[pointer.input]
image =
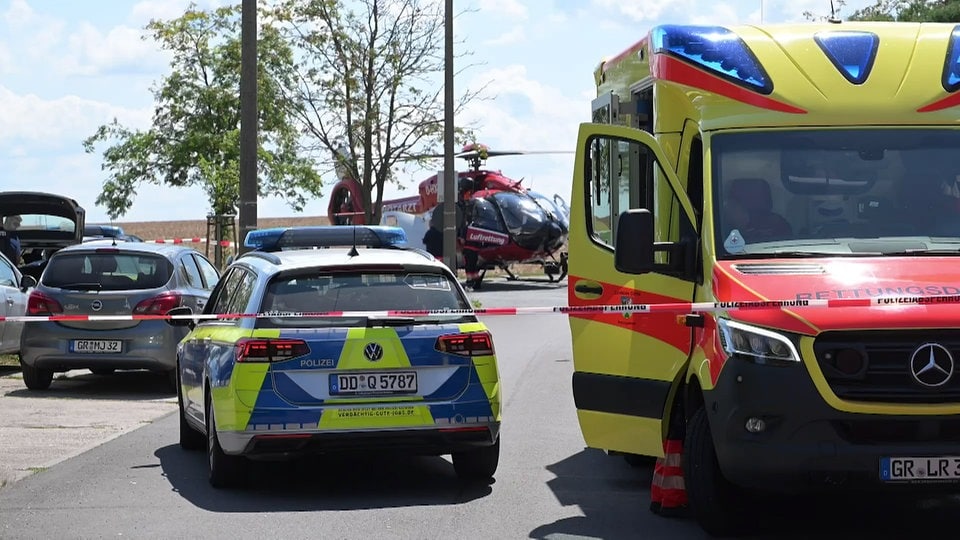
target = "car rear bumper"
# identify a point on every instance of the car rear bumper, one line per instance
(143, 347)
(418, 441)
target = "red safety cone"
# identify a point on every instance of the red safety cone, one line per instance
(668, 495)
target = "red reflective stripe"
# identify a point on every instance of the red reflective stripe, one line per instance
(672, 446)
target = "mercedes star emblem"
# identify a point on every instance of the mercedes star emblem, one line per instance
(931, 365)
(96, 305)
(374, 352)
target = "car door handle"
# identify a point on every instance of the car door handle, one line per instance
(9, 301)
(201, 303)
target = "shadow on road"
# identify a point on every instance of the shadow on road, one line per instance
(614, 498)
(121, 385)
(321, 483)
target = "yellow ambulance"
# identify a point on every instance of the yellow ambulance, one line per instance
(792, 165)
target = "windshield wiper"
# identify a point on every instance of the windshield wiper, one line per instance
(920, 251)
(786, 255)
(81, 286)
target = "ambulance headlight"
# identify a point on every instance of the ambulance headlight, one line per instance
(756, 344)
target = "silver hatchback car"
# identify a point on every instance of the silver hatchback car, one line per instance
(109, 278)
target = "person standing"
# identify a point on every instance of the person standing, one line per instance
(10, 239)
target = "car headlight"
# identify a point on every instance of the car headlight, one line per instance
(756, 344)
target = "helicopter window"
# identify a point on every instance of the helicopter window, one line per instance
(484, 216)
(520, 212)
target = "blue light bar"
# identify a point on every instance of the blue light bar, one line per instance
(715, 49)
(325, 236)
(852, 53)
(951, 69)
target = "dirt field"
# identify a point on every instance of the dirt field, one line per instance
(167, 230)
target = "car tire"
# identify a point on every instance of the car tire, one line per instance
(190, 439)
(478, 464)
(226, 471)
(102, 371)
(719, 506)
(36, 378)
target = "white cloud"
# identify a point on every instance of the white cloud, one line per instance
(121, 49)
(30, 119)
(147, 10)
(511, 37)
(506, 9)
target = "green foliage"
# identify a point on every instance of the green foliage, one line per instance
(194, 138)
(371, 82)
(910, 11)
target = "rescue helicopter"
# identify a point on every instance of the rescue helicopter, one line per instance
(501, 220)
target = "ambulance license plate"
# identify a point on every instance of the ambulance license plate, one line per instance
(96, 346)
(920, 469)
(377, 382)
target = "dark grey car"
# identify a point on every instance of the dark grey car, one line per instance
(112, 278)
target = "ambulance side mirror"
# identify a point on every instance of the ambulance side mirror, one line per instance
(636, 252)
(633, 253)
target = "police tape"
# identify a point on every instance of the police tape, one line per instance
(676, 308)
(194, 240)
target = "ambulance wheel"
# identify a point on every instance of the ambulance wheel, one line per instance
(479, 464)
(226, 471)
(190, 439)
(718, 506)
(36, 378)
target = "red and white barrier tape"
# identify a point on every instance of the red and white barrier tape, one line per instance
(194, 240)
(677, 307)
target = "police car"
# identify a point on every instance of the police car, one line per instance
(337, 338)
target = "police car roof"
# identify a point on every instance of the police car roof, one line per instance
(341, 257)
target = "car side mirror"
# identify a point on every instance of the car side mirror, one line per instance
(180, 316)
(27, 283)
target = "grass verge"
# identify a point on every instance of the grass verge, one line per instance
(9, 360)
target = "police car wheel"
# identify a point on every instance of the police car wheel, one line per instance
(718, 506)
(190, 439)
(478, 464)
(225, 470)
(36, 378)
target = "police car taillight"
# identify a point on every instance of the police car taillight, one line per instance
(472, 344)
(41, 304)
(270, 350)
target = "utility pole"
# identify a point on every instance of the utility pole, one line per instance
(449, 175)
(248, 121)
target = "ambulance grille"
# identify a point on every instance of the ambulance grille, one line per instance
(780, 269)
(886, 374)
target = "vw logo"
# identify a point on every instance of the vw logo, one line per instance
(96, 305)
(931, 365)
(374, 352)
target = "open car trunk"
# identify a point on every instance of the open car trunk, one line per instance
(49, 221)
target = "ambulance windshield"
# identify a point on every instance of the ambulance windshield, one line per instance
(837, 192)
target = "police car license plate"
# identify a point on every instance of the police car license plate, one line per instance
(96, 346)
(377, 382)
(920, 469)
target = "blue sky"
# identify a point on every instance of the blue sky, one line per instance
(68, 67)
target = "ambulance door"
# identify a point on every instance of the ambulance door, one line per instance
(625, 363)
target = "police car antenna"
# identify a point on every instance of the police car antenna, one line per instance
(353, 250)
(833, 14)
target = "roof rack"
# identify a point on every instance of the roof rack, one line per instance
(326, 236)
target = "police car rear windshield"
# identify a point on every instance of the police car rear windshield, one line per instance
(288, 296)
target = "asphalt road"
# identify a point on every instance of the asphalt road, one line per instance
(140, 484)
